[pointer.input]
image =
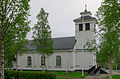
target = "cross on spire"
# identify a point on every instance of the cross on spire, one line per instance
(85, 7)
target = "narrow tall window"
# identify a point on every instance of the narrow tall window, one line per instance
(80, 27)
(29, 61)
(87, 26)
(58, 60)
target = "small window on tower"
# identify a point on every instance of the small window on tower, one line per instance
(80, 27)
(87, 26)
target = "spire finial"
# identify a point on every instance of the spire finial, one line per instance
(85, 7)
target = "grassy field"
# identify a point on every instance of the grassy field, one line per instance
(114, 77)
(63, 78)
(75, 74)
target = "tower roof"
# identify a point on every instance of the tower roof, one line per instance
(85, 16)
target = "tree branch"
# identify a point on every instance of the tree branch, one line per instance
(10, 19)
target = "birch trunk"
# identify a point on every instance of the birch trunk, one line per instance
(110, 69)
(2, 59)
(43, 63)
(16, 61)
(2, 49)
(43, 68)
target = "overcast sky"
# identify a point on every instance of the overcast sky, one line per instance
(61, 14)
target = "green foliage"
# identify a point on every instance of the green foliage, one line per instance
(107, 34)
(109, 31)
(10, 74)
(42, 34)
(15, 14)
(14, 26)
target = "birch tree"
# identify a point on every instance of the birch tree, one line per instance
(42, 36)
(108, 33)
(13, 13)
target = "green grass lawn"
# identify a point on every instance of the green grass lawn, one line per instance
(74, 74)
(114, 77)
(63, 78)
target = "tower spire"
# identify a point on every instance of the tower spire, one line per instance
(85, 7)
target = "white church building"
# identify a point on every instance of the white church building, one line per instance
(70, 53)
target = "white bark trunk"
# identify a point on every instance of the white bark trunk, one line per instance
(43, 68)
(16, 60)
(2, 59)
(2, 47)
(43, 62)
(110, 69)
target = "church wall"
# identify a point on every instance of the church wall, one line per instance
(84, 60)
(66, 61)
(22, 60)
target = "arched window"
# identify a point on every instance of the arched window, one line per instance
(29, 61)
(58, 60)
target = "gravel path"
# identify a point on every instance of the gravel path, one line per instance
(101, 76)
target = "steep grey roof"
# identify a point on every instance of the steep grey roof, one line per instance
(62, 43)
(88, 12)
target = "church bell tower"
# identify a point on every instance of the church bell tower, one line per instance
(84, 27)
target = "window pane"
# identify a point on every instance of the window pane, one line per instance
(80, 27)
(87, 26)
(29, 63)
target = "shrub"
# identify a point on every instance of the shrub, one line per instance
(10, 74)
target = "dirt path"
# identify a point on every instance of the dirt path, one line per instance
(115, 73)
